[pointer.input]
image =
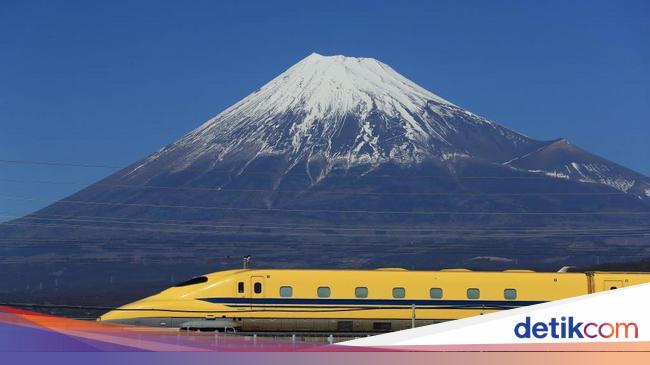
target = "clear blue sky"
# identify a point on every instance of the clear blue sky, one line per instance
(109, 81)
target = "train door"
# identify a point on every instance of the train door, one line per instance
(258, 290)
(612, 284)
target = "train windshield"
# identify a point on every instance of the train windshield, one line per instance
(192, 281)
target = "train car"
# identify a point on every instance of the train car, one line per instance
(351, 301)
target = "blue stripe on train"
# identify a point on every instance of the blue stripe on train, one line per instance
(405, 302)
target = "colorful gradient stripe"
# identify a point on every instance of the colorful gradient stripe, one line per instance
(25, 331)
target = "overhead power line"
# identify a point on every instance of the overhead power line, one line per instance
(307, 227)
(154, 248)
(336, 211)
(337, 173)
(316, 191)
(54, 163)
(315, 225)
(320, 234)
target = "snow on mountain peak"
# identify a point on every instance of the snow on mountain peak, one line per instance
(336, 85)
(342, 110)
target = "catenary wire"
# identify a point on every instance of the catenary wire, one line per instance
(337, 211)
(128, 221)
(333, 192)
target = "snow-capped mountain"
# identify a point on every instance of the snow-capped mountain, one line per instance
(343, 162)
(336, 112)
(342, 112)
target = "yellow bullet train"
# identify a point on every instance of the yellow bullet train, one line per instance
(349, 301)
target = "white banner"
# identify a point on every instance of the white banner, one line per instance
(613, 316)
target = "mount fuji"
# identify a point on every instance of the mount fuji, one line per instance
(343, 162)
(338, 113)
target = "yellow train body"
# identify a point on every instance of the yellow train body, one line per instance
(353, 300)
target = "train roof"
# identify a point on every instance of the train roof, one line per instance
(450, 270)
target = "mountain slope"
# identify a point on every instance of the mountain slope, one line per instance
(564, 160)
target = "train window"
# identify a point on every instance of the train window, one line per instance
(323, 291)
(240, 287)
(510, 294)
(473, 293)
(435, 293)
(399, 293)
(192, 281)
(361, 292)
(257, 288)
(286, 291)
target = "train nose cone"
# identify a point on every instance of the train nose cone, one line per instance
(110, 317)
(130, 314)
(153, 311)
